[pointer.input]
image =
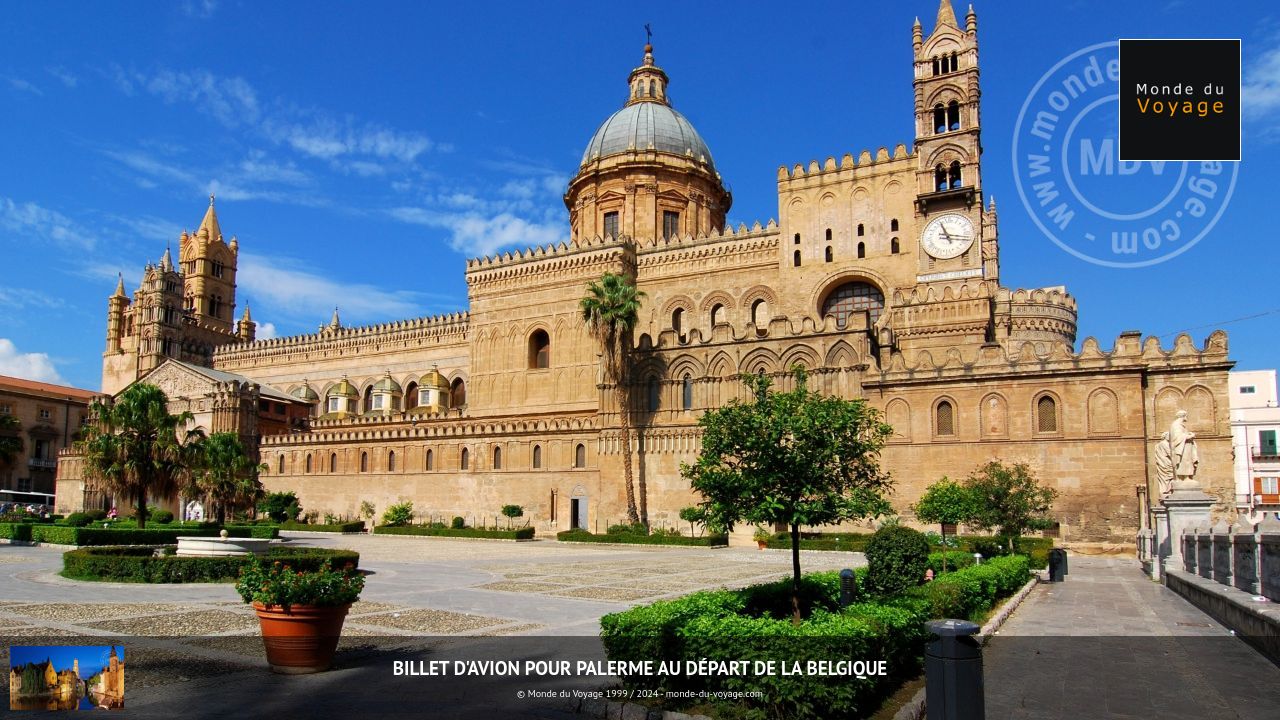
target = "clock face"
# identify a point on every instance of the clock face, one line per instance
(947, 236)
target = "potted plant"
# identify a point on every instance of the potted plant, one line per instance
(300, 612)
(762, 537)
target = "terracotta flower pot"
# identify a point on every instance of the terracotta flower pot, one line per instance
(763, 544)
(303, 639)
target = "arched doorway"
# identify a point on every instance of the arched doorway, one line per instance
(578, 509)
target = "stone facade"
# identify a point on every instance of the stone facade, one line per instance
(881, 276)
(49, 419)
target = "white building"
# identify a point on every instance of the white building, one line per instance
(1255, 425)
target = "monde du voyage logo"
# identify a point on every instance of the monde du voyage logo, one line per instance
(1124, 152)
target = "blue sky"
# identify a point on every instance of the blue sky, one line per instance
(361, 156)
(92, 658)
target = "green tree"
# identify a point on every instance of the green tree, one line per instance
(694, 516)
(796, 458)
(227, 474)
(10, 440)
(946, 502)
(1009, 499)
(280, 506)
(137, 448)
(611, 310)
(511, 512)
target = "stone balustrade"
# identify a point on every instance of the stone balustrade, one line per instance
(1243, 555)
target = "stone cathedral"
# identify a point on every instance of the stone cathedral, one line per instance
(881, 276)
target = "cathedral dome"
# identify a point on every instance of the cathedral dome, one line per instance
(648, 126)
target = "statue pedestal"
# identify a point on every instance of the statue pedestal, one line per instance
(1186, 507)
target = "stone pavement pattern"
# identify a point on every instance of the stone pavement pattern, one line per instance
(1109, 643)
(424, 596)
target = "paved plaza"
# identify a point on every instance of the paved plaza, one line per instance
(1109, 643)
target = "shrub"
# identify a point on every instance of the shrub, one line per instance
(968, 593)
(438, 530)
(63, 535)
(353, 526)
(897, 557)
(398, 514)
(16, 531)
(142, 564)
(846, 542)
(629, 528)
(992, 547)
(367, 510)
(77, 520)
(635, 539)
(956, 559)
(280, 584)
(164, 517)
(96, 515)
(458, 523)
(280, 506)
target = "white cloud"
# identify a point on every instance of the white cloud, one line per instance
(475, 234)
(149, 227)
(63, 75)
(288, 287)
(24, 85)
(13, 299)
(231, 100)
(202, 9)
(1261, 86)
(27, 221)
(266, 331)
(329, 139)
(250, 179)
(30, 366)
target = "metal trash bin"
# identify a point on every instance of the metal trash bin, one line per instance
(953, 671)
(1057, 565)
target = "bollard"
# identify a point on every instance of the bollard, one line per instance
(1057, 565)
(848, 587)
(953, 671)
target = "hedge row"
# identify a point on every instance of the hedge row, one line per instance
(1035, 548)
(970, 592)
(82, 536)
(754, 624)
(524, 533)
(638, 539)
(141, 564)
(354, 526)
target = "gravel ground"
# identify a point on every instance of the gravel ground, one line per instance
(78, 613)
(432, 622)
(521, 587)
(364, 607)
(200, 622)
(607, 593)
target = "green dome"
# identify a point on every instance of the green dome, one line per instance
(344, 389)
(306, 393)
(386, 384)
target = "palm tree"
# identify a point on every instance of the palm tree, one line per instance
(10, 440)
(133, 446)
(611, 310)
(227, 474)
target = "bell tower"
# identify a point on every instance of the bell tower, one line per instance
(209, 273)
(949, 148)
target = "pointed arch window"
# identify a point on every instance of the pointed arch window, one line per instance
(497, 458)
(940, 178)
(894, 247)
(861, 230)
(429, 461)
(939, 119)
(458, 393)
(368, 399)
(893, 225)
(686, 392)
(580, 456)
(953, 115)
(936, 66)
(333, 462)
(862, 250)
(795, 259)
(280, 465)
(828, 234)
(677, 320)
(464, 462)
(537, 457)
(1046, 414)
(308, 462)
(853, 297)
(829, 255)
(760, 313)
(953, 175)
(391, 461)
(364, 462)
(944, 419)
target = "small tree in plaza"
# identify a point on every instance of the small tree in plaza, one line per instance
(227, 474)
(796, 458)
(136, 448)
(946, 502)
(511, 512)
(694, 516)
(1009, 499)
(280, 506)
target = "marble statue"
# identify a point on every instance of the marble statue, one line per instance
(1182, 448)
(1164, 466)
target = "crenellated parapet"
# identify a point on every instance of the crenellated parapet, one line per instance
(448, 328)
(993, 360)
(847, 169)
(545, 263)
(728, 248)
(1040, 315)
